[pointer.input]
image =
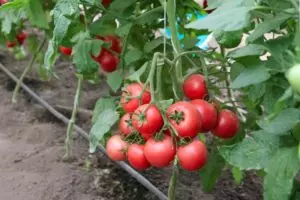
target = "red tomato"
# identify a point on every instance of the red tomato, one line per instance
(136, 157)
(65, 50)
(185, 118)
(192, 156)
(3, 1)
(129, 99)
(114, 41)
(108, 61)
(227, 125)
(208, 114)
(116, 148)
(160, 153)
(106, 3)
(125, 124)
(194, 87)
(147, 120)
(21, 37)
(11, 44)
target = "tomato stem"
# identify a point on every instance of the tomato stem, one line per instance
(69, 134)
(173, 181)
(177, 65)
(26, 70)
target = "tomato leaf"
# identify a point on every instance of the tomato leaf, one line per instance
(120, 5)
(82, 58)
(150, 46)
(114, 80)
(249, 50)
(232, 15)
(50, 57)
(267, 26)
(281, 172)
(135, 77)
(133, 56)
(253, 152)
(250, 76)
(211, 171)
(101, 105)
(284, 122)
(229, 39)
(103, 124)
(36, 14)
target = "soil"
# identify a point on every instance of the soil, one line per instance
(32, 144)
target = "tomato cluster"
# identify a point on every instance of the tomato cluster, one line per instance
(20, 38)
(152, 137)
(108, 58)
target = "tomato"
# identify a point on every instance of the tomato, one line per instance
(293, 77)
(116, 148)
(125, 124)
(227, 124)
(194, 87)
(21, 37)
(185, 118)
(136, 157)
(114, 41)
(193, 156)
(11, 44)
(130, 100)
(160, 153)
(3, 2)
(106, 3)
(208, 114)
(147, 120)
(108, 61)
(65, 50)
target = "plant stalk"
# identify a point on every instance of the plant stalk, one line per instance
(26, 70)
(69, 134)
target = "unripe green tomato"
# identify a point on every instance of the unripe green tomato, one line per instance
(293, 76)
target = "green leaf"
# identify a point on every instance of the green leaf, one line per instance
(150, 16)
(237, 174)
(103, 124)
(101, 105)
(82, 59)
(114, 80)
(124, 29)
(50, 56)
(249, 50)
(210, 173)
(36, 14)
(106, 25)
(133, 56)
(120, 5)
(150, 46)
(284, 122)
(135, 77)
(281, 172)
(164, 104)
(250, 76)
(253, 152)
(228, 39)
(232, 15)
(267, 26)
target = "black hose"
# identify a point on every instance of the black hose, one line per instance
(141, 179)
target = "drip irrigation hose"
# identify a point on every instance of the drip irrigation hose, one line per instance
(141, 179)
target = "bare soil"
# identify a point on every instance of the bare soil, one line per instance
(32, 144)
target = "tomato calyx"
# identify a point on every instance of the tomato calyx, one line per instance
(135, 138)
(185, 141)
(177, 116)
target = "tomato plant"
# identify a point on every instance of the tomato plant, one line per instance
(250, 71)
